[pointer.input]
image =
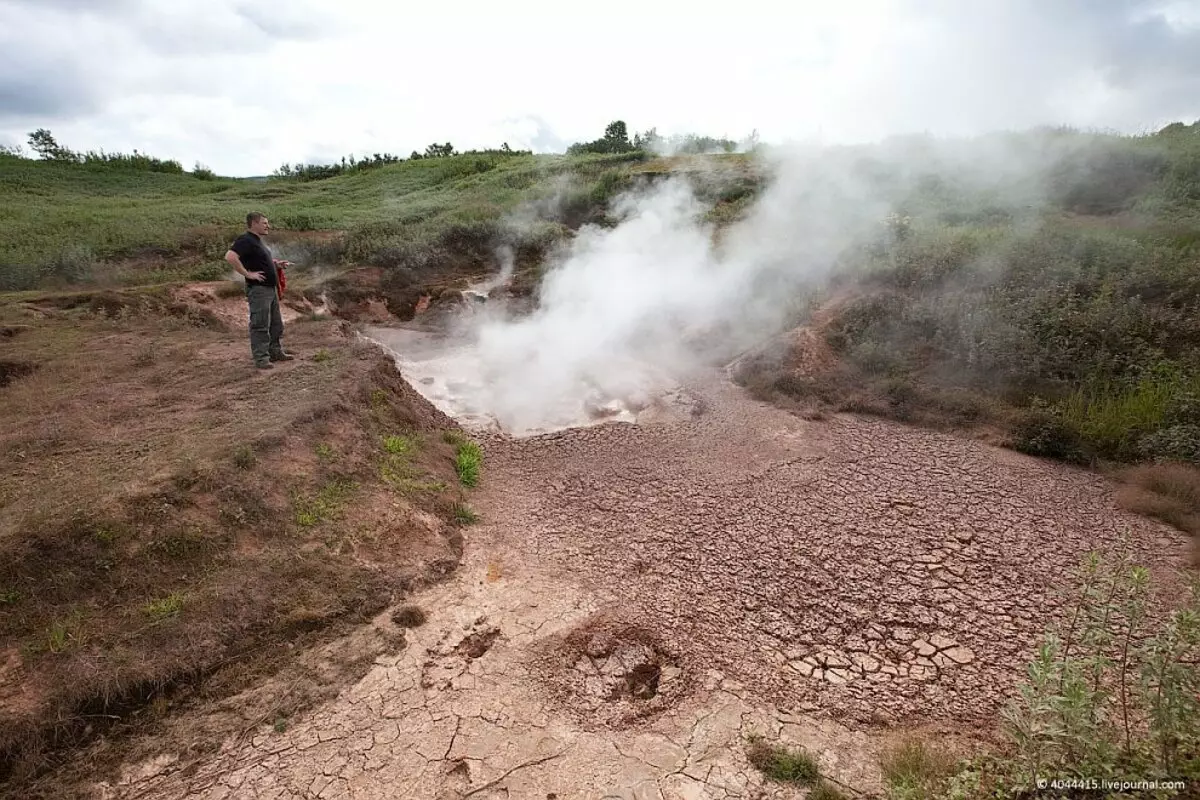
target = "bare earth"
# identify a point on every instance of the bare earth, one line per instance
(639, 599)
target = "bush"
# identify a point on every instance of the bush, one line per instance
(1110, 694)
(1042, 431)
(210, 272)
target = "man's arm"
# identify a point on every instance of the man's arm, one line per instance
(236, 262)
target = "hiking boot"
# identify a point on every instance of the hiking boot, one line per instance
(264, 365)
(282, 356)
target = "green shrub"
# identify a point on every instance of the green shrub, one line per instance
(210, 272)
(1042, 431)
(1112, 692)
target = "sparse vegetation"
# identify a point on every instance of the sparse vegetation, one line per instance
(325, 452)
(165, 608)
(915, 769)
(326, 504)
(464, 514)
(782, 764)
(1168, 492)
(322, 356)
(244, 458)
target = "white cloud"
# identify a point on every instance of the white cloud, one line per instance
(244, 86)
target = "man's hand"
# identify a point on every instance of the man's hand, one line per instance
(255, 276)
(281, 263)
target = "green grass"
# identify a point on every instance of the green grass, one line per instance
(322, 356)
(325, 452)
(468, 460)
(66, 222)
(327, 503)
(165, 608)
(399, 445)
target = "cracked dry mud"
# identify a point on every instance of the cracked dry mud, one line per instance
(641, 598)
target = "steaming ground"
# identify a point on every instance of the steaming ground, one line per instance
(640, 598)
(455, 375)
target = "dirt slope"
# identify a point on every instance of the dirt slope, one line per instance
(639, 599)
(175, 524)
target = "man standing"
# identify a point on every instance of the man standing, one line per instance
(252, 260)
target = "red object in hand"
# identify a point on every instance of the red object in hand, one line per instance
(282, 279)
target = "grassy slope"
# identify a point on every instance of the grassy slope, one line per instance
(62, 221)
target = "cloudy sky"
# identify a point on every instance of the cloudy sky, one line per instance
(243, 86)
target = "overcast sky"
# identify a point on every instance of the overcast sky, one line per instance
(244, 86)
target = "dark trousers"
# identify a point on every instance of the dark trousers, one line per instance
(266, 323)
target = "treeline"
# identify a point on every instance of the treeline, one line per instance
(349, 164)
(616, 140)
(43, 143)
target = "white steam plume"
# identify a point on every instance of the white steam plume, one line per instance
(632, 309)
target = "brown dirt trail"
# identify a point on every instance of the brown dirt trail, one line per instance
(640, 598)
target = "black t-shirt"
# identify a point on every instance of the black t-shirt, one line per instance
(255, 258)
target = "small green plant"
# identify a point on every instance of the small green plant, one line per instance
(467, 462)
(455, 438)
(244, 458)
(781, 764)
(322, 356)
(9, 597)
(280, 725)
(312, 510)
(464, 514)
(325, 453)
(379, 399)
(165, 608)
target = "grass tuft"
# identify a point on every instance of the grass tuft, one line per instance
(464, 514)
(913, 769)
(781, 764)
(467, 462)
(399, 445)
